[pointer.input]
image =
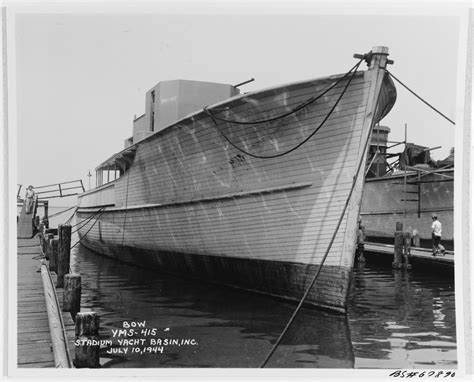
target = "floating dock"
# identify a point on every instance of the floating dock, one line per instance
(418, 256)
(35, 344)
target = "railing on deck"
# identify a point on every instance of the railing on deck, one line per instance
(58, 190)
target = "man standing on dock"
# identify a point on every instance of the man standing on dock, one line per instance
(30, 199)
(436, 236)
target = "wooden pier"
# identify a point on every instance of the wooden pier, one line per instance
(35, 345)
(418, 256)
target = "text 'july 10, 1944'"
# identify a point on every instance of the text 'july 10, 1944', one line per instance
(135, 337)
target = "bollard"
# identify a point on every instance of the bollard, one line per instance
(72, 294)
(64, 253)
(87, 328)
(53, 258)
(398, 246)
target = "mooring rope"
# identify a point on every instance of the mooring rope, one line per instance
(61, 212)
(354, 69)
(87, 220)
(93, 224)
(420, 98)
(70, 217)
(315, 276)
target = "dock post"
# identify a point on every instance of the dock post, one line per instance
(398, 246)
(87, 328)
(407, 249)
(416, 238)
(64, 253)
(40, 234)
(53, 259)
(72, 294)
(46, 215)
(49, 237)
(36, 223)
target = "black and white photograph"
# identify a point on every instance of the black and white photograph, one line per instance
(213, 188)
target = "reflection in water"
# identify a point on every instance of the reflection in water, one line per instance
(401, 319)
(232, 328)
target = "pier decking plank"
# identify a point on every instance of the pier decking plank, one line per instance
(33, 336)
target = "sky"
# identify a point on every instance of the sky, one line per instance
(82, 76)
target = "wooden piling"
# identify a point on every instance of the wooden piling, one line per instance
(53, 258)
(46, 215)
(416, 238)
(40, 234)
(36, 223)
(398, 246)
(407, 249)
(87, 329)
(47, 253)
(72, 294)
(64, 253)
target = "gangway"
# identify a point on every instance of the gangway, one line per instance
(27, 222)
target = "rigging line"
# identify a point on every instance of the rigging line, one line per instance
(313, 280)
(292, 111)
(96, 220)
(417, 96)
(299, 144)
(61, 212)
(70, 217)
(87, 220)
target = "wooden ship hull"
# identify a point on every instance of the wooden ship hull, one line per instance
(387, 200)
(193, 199)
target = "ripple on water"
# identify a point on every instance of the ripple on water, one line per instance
(395, 320)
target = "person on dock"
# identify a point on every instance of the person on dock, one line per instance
(30, 199)
(436, 229)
